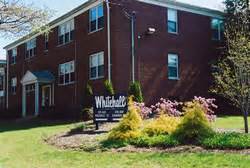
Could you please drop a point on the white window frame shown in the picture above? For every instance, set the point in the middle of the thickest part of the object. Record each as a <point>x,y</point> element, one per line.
<point>13,56</point>
<point>13,85</point>
<point>71,64</point>
<point>30,46</point>
<point>219,28</point>
<point>65,28</point>
<point>97,76</point>
<point>96,18</point>
<point>176,66</point>
<point>169,10</point>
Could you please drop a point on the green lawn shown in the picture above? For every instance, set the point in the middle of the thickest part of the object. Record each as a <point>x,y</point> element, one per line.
<point>21,146</point>
<point>230,122</point>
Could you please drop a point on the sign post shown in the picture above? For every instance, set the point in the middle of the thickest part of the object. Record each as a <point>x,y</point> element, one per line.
<point>109,108</point>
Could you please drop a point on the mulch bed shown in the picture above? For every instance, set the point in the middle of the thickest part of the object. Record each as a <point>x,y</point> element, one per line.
<point>89,140</point>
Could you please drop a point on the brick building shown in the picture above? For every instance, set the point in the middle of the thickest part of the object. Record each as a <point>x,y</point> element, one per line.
<point>167,46</point>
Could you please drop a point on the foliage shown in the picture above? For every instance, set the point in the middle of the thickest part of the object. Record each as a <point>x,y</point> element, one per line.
<point>108,87</point>
<point>162,125</point>
<point>208,105</point>
<point>129,126</point>
<point>155,141</point>
<point>167,107</point>
<point>87,114</point>
<point>194,126</point>
<point>232,80</point>
<point>19,18</point>
<point>88,96</point>
<point>135,91</point>
<point>145,111</point>
<point>227,141</point>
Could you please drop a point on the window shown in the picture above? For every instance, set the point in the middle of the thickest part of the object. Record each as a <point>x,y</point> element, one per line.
<point>217,29</point>
<point>97,66</point>
<point>96,18</point>
<point>67,73</point>
<point>13,56</point>
<point>65,32</point>
<point>30,48</point>
<point>30,88</point>
<point>172,21</point>
<point>13,85</point>
<point>173,66</point>
<point>46,42</point>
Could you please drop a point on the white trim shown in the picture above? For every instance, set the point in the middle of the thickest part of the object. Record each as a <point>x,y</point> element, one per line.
<point>178,6</point>
<point>56,24</point>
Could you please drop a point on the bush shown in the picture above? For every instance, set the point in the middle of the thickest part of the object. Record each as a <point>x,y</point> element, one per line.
<point>129,126</point>
<point>87,114</point>
<point>167,107</point>
<point>194,126</point>
<point>162,126</point>
<point>136,92</point>
<point>109,88</point>
<point>227,141</point>
<point>145,111</point>
<point>88,96</point>
<point>155,141</point>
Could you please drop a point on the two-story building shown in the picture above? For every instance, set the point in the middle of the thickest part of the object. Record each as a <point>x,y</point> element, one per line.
<point>167,46</point>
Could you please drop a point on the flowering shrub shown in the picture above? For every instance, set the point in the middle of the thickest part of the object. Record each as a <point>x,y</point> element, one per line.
<point>145,111</point>
<point>162,125</point>
<point>167,107</point>
<point>208,106</point>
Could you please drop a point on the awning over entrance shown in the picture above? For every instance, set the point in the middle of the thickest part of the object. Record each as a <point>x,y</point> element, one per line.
<point>37,77</point>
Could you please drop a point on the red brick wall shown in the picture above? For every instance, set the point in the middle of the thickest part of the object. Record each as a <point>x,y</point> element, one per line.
<point>193,44</point>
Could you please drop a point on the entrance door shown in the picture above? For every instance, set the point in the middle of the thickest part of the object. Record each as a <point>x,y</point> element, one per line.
<point>46,96</point>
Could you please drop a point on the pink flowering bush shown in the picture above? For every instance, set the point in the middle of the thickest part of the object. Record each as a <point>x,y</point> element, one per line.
<point>209,106</point>
<point>167,107</point>
<point>145,111</point>
<point>171,108</point>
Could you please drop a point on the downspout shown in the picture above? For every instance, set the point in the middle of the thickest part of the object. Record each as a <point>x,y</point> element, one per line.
<point>7,81</point>
<point>109,41</point>
<point>133,45</point>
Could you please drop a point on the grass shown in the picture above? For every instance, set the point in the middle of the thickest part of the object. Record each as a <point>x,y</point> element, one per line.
<point>21,145</point>
<point>229,122</point>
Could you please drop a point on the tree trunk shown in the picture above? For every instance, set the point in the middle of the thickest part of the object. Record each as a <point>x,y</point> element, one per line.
<point>246,122</point>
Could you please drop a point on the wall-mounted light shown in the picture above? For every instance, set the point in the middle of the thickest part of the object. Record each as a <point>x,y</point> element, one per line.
<point>151,31</point>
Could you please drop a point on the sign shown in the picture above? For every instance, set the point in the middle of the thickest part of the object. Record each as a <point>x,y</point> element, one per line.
<point>110,108</point>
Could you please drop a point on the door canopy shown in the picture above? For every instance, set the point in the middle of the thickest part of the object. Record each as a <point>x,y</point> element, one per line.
<point>37,77</point>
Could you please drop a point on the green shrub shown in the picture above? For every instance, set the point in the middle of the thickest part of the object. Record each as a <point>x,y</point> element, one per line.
<point>155,141</point>
<point>227,141</point>
<point>109,88</point>
<point>87,114</point>
<point>162,125</point>
<point>194,126</point>
<point>136,92</point>
<point>88,96</point>
<point>129,126</point>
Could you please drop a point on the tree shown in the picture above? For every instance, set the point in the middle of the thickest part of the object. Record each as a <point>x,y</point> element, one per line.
<point>18,18</point>
<point>232,80</point>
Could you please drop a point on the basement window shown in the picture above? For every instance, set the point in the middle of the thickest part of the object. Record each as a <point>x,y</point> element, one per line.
<point>30,48</point>
<point>97,66</point>
<point>67,73</point>
<point>96,18</point>
<point>65,32</point>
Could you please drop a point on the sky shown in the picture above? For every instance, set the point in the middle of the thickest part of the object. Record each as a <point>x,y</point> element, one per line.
<point>63,6</point>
